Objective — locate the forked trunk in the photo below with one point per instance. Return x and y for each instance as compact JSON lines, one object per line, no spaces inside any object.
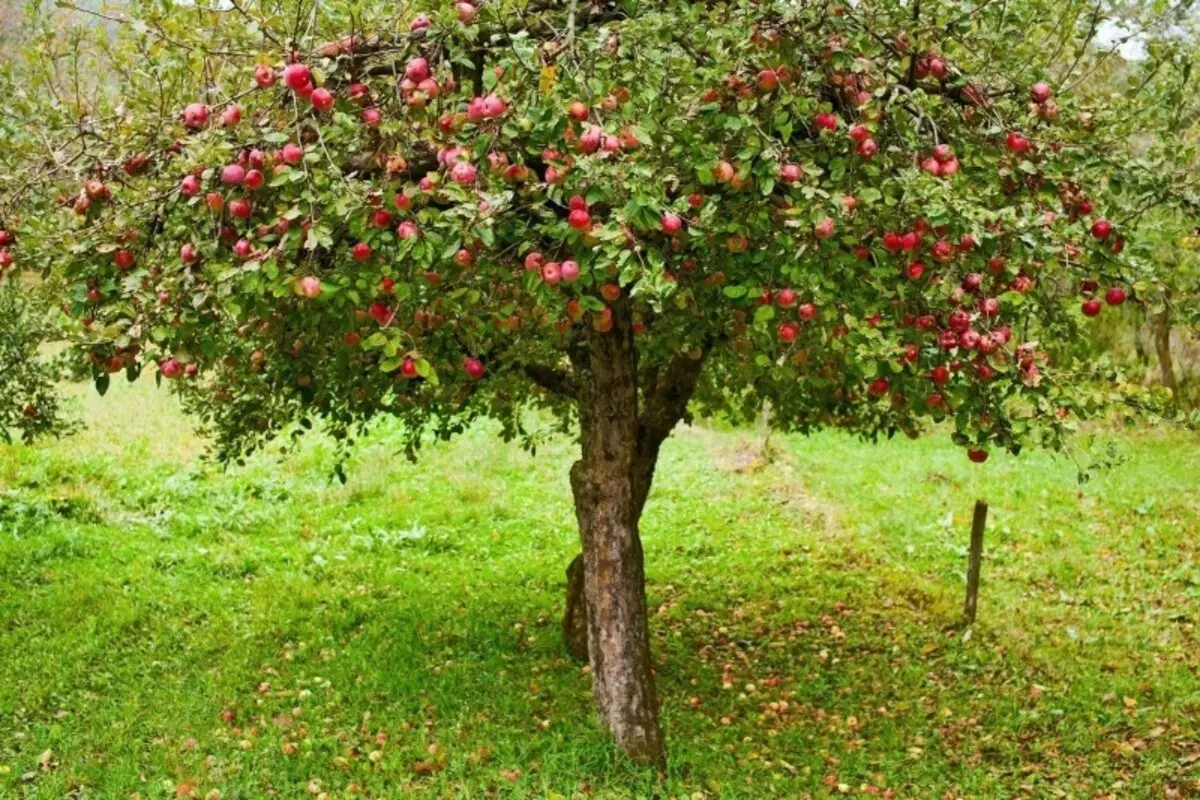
{"x":614,"y":584}
{"x":624,"y":417}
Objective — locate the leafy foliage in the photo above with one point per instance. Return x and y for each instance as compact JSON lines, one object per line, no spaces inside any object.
{"x":866,"y":216}
{"x":30,"y":405}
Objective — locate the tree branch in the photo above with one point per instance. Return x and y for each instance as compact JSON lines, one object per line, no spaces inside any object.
{"x":553,"y":380}
{"x":666,"y":397}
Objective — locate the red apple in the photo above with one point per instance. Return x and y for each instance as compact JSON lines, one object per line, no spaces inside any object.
{"x":1017,"y":143}
{"x":171,"y":368}
{"x":264,"y":76}
{"x":591,"y":139}
{"x":471,"y":365}
{"x":417,"y":69}
{"x":123,"y":258}
{"x":322,"y":99}
{"x":463,"y":173}
{"x":825,"y":122}
{"x":195,"y":116}
{"x":233,"y":175}
{"x":292,"y":153}
{"x":579,"y":219}
{"x":297,"y":77}
{"x":310,"y":286}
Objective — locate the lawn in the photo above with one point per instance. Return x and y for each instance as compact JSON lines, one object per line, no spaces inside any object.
{"x":168,"y":629}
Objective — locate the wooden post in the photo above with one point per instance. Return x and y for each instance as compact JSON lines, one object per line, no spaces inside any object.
{"x":976,"y":560}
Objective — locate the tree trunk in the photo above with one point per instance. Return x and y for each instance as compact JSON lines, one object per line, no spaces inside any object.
{"x":1162,"y":345}
{"x":625,"y":414}
{"x":614,"y":581}
{"x":575,"y":628}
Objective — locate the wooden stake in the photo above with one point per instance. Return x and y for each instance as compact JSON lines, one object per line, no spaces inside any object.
{"x":976,"y":560}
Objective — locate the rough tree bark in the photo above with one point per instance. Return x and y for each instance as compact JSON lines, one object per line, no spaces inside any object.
{"x":621,"y":433}
{"x":666,"y":394}
{"x":1162,"y":346}
{"x":575,"y":630}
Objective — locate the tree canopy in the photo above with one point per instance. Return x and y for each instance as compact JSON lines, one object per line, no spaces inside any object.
{"x":867,"y":216}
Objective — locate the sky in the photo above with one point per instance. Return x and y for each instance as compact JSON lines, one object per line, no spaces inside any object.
{"x":1109,"y":33}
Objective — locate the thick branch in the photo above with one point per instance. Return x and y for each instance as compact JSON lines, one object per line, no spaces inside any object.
{"x":553,"y":380}
{"x":665,"y":404}
{"x":667,"y":394}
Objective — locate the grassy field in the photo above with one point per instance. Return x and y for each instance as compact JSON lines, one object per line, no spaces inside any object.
{"x":171,"y":630}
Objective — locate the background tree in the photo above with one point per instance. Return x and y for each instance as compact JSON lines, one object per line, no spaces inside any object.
{"x":873,"y":217}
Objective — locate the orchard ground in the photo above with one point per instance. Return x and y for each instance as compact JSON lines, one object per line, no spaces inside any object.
{"x":401,"y":633}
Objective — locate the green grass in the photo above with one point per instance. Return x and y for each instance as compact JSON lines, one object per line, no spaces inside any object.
{"x":399,"y":634}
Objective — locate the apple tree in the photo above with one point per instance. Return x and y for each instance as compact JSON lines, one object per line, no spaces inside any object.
{"x":879,"y":216}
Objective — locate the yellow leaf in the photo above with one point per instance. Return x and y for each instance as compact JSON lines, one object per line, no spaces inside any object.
{"x":548,"y":79}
